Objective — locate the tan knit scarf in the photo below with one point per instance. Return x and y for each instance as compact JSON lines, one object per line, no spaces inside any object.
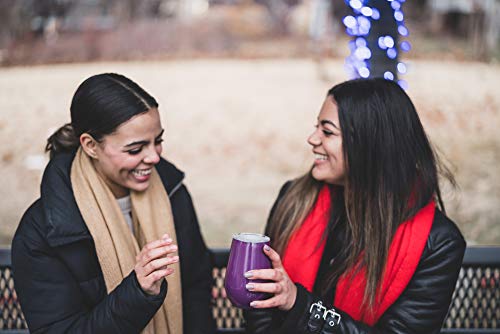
{"x":115,"y":244}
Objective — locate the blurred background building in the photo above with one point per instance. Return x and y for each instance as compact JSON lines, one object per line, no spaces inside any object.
{"x":53,"y":31}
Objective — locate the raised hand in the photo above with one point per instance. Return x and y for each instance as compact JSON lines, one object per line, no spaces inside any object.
{"x":284,"y":290}
{"x":152,"y":264}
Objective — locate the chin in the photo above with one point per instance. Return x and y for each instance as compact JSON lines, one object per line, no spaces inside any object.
{"x":140,"y":187}
{"x":327,"y":178}
{"x":318,"y":176}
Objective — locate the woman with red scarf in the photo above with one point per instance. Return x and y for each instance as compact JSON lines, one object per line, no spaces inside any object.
{"x":359,"y":244}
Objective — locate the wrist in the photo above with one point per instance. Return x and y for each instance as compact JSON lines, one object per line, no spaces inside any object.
{"x":293,"y":298}
{"x":151,"y":296}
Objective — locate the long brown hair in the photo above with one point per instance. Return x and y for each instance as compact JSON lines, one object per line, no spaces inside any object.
{"x":391,"y":173}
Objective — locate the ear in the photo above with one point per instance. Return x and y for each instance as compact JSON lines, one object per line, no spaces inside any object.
{"x":89,"y":145}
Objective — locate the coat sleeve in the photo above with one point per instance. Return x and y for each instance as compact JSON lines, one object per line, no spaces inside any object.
{"x":196,"y":267}
{"x":52,"y":300}
{"x":421,"y":308}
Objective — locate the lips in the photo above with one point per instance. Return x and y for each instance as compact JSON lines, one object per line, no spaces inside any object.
{"x":319,"y":156}
{"x":141,"y":172}
{"x":142,"y":175}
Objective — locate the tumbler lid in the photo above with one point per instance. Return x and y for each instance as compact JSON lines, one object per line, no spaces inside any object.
{"x":251,"y":237}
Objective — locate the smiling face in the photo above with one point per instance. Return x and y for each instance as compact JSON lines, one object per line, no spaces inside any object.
{"x":326,"y":142}
{"x":125,"y":158}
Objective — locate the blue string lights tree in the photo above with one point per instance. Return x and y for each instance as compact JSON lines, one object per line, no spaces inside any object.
{"x":376,"y":27}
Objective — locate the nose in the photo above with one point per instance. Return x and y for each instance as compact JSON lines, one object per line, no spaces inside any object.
{"x":152,"y":156}
{"x":314,"y":139}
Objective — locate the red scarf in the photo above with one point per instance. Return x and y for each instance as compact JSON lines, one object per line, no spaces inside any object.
{"x":302,"y":258}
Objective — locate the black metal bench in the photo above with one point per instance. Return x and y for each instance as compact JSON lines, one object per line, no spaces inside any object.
{"x":475,"y":307}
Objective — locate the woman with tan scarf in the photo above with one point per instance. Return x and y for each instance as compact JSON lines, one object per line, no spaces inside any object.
{"x":113,"y":244}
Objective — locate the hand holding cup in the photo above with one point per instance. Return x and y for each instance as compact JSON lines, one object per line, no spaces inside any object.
{"x":277,"y":282}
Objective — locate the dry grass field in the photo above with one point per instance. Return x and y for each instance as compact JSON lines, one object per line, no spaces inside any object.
{"x":238,"y":129}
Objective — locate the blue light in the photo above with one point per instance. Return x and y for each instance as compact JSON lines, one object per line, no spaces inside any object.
{"x":366,"y":11}
{"x":363,"y":31}
{"x":405,"y":46}
{"x":363,"y":53}
{"x":359,"y":24}
{"x":364,"y":72}
{"x":364,"y":25}
{"x":381,"y":43}
{"x":358,"y":54}
{"x":388,"y":75}
{"x":356,"y":4}
{"x":403,"y":31}
{"x":349,"y":21}
{"x":388,"y":41}
{"x":403,"y":84}
{"x":357,"y":63}
{"x":401,"y":68}
{"x":392,"y":53}
{"x":364,"y":22}
{"x":398,"y":15}
{"x":360,"y":41}
{"x":352,"y":31}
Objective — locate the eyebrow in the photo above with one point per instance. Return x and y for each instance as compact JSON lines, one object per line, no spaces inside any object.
{"x":325,"y":121}
{"x":144,"y":142}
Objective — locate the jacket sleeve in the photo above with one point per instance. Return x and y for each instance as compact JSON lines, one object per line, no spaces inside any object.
{"x":420,"y":309}
{"x":196,"y":267}
{"x":52,"y":300}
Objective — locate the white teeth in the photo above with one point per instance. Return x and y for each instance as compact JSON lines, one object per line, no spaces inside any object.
{"x":320,"y":156}
{"x":142,"y":172}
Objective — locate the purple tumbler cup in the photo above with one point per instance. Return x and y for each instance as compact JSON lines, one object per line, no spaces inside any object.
{"x":246,"y":254}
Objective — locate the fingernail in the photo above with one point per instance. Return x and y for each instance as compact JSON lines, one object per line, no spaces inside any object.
{"x":173,"y":247}
{"x":175,"y":258}
{"x":267,"y":248}
{"x":168,"y":240}
{"x":249,"y":286}
{"x":248,"y":274}
{"x":253,"y":304}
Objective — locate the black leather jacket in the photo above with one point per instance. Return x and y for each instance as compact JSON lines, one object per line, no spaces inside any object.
{"x":421,"y":308}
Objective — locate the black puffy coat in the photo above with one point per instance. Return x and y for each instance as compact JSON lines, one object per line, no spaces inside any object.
{"x":58,"y":277}
{"x":421,"y":308}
